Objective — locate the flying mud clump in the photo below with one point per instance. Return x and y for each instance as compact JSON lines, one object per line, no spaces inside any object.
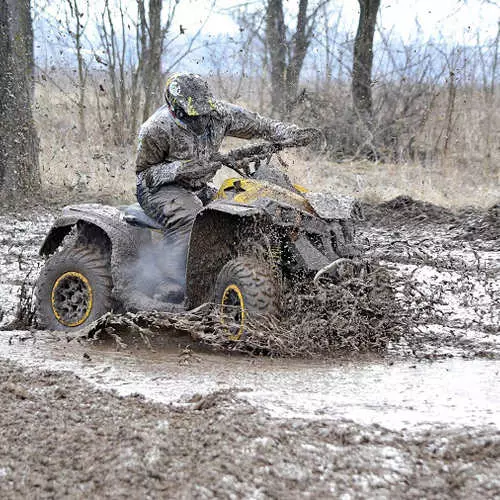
{"x":357,"y":314}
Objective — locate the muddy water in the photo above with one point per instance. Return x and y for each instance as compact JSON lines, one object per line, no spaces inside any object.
{"x":396,"y":394}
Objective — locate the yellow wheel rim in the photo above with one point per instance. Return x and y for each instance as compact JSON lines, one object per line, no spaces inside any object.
{"x":232,"y":312}
{"x":71,"y":299}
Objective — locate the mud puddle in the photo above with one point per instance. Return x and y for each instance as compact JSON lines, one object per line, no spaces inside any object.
{"x":450,"y":285}
{"x":420,"y":422}
{"x":395,"y":394}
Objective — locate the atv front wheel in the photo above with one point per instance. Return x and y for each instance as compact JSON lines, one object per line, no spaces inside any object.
{"x":74,"y":288}
{"x":245,"y":289}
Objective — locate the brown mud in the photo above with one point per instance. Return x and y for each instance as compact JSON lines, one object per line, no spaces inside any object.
{"x":68,"y":440}
{"x":149,"y":414}
{"x":367,"y":388}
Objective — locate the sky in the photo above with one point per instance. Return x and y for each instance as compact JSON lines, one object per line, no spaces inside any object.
{"x":457,"y":20}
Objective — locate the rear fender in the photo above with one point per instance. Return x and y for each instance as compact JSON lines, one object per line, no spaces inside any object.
{"x":123,"y":239}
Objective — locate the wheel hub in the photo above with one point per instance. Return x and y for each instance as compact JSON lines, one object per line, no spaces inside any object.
{"x":71,"y":299}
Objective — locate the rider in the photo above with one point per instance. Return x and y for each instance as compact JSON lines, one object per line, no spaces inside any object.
{"x":173,"y":158}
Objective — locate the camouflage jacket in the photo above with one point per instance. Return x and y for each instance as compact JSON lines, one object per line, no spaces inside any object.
{"x":165,"y":143}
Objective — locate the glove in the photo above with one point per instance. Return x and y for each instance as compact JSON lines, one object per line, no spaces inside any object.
{"x":192,"y":173}
{"x":304,"y":136}
{"x":197,"y":169}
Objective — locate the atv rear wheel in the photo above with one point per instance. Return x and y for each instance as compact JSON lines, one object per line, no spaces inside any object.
{"x":74,"y":288}
{"x":245,"y":289}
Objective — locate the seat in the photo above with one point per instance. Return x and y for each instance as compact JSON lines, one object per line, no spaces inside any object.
{"x":135,"y":215}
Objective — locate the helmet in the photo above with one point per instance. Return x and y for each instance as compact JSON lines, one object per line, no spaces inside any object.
{"x":188,"y":95}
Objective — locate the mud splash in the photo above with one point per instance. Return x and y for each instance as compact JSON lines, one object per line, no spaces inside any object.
{"x":448,"y":282}
{"x":431,"y":295}
{"x":446,"y":286}
{"x":21,"y":236}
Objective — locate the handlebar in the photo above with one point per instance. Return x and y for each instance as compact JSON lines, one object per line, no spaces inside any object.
{"x":239,"y":159}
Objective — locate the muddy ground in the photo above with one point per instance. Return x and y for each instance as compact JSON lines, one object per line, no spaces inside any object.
{"x":62,"y":438}
{"x":416,"y":420}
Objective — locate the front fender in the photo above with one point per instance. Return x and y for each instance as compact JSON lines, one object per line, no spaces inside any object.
{"x":104,"y":217}
{"x":214,"y":240}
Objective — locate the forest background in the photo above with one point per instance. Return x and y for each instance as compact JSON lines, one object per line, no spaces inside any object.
{"x":410,"y":107}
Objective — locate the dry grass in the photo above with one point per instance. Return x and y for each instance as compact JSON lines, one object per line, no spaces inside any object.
{"x":440,"y":184}
{"x":76,"y":168}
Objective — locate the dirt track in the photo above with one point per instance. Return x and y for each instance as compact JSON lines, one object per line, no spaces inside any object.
{"x":65,"y":438}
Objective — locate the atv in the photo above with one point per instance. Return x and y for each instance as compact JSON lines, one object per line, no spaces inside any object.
{"x":255,"y":237}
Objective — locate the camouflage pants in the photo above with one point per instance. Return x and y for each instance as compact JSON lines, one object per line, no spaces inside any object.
{"x":175,"y":208}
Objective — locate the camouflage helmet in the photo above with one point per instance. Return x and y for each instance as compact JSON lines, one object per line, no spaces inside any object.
{"x":190,"y":93}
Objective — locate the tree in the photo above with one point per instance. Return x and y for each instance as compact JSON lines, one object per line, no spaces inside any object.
{"x":287,"y":54}
{"x":19,"y":171}
{"x":155,"y":39}
{"x":363,"y":58}
{"x":76,"y":29}
{"x":133,"y":48}
{"x":152,"y":37}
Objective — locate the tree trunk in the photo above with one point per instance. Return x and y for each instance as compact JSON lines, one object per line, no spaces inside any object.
{"x":363,"y":58}
{"x":300,"y":44}
{"x":287,"y":55}
{"x":152,"y":57}
{"x":19,"y":173}
{"x":276,"y":42}
{"x":77,"y":34}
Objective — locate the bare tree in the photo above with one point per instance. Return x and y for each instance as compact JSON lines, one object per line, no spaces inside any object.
{"x":114,"y":43}
{"x":132,"y":51}
{"x":76,"y":24}
{"x":18,"y":139}
{"x":246,"y":75}
{"x":363,"y":58}
{"x":489,"y":90}
{"x":287,"y":53}
{"x":152,"y":35}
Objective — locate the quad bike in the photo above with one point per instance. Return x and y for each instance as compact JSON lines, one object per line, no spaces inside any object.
{"x":256,"y":235}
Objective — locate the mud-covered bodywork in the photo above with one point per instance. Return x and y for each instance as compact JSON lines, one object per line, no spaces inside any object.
{"x":106,"y":227}
{"x":333,"y":207}
{"x":318,"y":227}
{"x":252,"y":192}
{"x":214,"y":239}
{"x":248,"y":212}
{"x":301,"y":232}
